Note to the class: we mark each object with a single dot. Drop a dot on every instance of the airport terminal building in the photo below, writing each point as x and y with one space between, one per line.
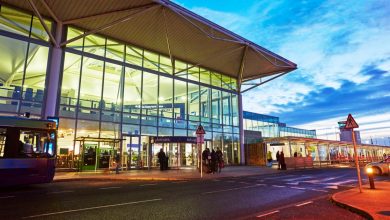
128 76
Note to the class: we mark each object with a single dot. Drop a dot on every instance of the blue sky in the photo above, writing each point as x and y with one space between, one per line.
342 49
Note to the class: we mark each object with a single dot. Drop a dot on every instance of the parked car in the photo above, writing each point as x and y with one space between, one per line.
379 168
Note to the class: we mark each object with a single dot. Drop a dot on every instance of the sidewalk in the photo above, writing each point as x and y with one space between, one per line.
181 174
372 203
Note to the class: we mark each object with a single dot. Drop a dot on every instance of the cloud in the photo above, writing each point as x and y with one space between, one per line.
342 52
231 21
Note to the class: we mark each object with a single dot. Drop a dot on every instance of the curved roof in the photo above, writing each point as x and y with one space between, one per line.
167 28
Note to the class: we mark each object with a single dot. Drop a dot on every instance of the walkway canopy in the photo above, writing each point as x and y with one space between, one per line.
167 28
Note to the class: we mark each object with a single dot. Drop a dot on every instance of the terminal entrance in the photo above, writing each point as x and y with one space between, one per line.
141 151
97 153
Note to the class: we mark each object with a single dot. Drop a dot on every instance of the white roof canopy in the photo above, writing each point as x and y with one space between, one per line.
166 28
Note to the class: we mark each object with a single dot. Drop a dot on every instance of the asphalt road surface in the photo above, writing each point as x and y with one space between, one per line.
286 195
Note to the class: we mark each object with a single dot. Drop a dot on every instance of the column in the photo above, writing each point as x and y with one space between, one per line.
52 91
241 124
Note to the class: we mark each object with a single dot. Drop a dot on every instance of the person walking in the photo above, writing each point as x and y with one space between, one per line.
282 161
213 161
278 159
269 158
206 157
117 162
219 159
161 159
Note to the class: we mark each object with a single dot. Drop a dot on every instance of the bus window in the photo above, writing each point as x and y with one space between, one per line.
3 133
37 143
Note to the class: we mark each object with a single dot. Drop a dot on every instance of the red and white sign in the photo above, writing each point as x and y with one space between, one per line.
351 123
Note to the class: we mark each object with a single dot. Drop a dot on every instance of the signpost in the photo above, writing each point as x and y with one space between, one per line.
199 141
351 124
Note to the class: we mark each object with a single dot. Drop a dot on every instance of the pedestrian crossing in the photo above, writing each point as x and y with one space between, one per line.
310 182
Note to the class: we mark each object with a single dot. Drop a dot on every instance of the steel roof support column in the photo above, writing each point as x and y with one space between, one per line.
109 25
240 108
50 11
241 124
167 40
258 84
55 67
35 9
241 70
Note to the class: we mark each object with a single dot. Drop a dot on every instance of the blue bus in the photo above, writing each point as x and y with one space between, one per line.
27 151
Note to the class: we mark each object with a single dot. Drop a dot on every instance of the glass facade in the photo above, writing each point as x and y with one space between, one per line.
269 126
112 90
24 56
109 89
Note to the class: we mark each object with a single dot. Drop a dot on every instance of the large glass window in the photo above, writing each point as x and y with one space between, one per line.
149 101
165 101
13 54
112 92
34 79
95 45
193 102
216 109
70 85
205 104
91 89
180 104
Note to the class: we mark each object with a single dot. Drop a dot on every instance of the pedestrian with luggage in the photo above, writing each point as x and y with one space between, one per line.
161 159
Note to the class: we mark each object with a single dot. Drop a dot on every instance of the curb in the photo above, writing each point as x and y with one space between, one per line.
117 179
351 208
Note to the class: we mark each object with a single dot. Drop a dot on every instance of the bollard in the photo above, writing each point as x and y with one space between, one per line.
370 174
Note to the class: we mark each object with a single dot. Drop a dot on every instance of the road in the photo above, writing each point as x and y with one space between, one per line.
289 195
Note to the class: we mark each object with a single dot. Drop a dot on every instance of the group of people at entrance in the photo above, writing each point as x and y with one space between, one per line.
279 158
212 161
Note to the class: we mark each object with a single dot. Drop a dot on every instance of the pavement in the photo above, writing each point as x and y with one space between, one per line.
168 175
371 203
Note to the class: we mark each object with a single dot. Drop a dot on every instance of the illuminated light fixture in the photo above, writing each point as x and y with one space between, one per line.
183 98
161 98
369 170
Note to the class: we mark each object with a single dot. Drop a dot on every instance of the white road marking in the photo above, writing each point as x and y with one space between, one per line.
278 186
111 187
92 208
7 197
269 213
300 188
305 203
59 192
342 182
331 187
319 190
321 180
150 184
296 183
232 189
298 178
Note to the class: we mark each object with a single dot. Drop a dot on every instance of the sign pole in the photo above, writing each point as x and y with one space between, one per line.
356 160
200 160
199 140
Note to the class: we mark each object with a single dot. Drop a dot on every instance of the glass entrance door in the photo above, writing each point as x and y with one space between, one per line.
132 150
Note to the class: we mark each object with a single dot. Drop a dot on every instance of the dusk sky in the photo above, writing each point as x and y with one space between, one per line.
342 49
